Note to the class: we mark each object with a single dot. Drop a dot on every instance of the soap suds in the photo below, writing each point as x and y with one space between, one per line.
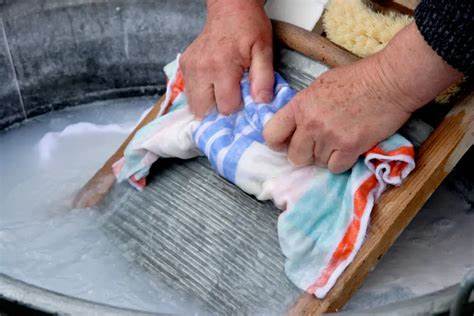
43 242
72 133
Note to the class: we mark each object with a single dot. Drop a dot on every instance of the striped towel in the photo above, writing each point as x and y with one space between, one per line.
325 216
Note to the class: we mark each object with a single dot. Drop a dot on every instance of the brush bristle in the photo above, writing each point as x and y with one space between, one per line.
356 27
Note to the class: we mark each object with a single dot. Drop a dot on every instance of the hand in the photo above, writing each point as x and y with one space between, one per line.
237 36
348 110
340 116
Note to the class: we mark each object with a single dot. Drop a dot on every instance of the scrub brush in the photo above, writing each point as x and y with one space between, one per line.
354 25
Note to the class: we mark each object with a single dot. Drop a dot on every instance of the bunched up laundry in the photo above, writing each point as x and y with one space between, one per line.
324 216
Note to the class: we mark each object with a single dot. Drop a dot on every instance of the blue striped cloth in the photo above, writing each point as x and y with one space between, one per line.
223 139
325 216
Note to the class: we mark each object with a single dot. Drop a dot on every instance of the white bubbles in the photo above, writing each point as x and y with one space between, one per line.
45 243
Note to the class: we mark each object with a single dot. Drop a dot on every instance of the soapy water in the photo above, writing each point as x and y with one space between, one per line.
434 252
46 160
43 241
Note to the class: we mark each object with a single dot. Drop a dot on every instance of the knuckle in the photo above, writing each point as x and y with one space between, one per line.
309 122
331 134
263 45
349 142
248 39
221 59
215 64
347 145
202 65
189 65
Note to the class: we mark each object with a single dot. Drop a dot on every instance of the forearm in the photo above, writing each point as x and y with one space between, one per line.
412 71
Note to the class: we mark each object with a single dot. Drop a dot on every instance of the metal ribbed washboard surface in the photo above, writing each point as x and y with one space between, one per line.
204 237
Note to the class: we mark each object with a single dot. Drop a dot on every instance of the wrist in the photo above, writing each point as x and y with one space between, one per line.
411 72
394 84
232 6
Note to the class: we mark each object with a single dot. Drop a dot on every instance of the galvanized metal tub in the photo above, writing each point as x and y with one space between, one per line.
58 53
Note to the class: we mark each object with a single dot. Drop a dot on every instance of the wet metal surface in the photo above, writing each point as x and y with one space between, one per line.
204 237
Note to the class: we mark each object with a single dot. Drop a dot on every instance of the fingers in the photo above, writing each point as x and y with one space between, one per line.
197 86
261 73
341 161
300 151
200 97
322 152
279 129
208 83
227 92
206 87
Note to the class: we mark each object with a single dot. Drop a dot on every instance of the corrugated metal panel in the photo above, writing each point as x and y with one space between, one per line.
203 236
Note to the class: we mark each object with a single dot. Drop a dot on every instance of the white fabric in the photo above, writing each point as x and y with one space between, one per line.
302 13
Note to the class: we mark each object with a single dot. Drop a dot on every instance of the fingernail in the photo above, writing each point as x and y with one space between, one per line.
264 97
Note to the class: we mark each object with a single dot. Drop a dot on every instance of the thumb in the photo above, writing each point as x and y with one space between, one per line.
261 73
280 128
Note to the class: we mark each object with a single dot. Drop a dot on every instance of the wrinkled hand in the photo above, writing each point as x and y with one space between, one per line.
343 114
350 109
237 37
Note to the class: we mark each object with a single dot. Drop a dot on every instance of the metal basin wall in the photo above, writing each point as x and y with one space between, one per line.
56 53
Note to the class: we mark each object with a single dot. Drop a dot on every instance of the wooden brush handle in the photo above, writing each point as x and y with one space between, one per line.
312 45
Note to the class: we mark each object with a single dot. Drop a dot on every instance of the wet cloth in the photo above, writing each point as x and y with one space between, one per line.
325 216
